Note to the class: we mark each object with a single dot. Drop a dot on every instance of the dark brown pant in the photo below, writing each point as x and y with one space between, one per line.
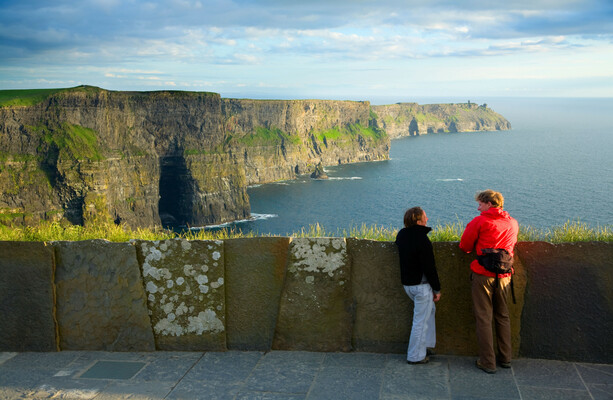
491 301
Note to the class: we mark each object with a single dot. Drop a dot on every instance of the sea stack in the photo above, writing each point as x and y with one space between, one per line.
319 172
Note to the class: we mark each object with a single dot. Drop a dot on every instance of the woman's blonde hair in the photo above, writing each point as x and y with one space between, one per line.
490 196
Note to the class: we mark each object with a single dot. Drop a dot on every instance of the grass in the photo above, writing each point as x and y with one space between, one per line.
571 231
27 97
266 137
350 131
80 142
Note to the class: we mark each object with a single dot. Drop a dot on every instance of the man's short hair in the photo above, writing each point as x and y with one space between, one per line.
490 196
412 215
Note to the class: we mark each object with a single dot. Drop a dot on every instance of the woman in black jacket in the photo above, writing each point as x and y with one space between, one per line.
420 281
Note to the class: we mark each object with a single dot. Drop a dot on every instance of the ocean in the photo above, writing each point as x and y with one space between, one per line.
555 165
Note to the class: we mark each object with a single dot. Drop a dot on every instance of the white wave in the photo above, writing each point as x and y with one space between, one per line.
254 217
344 178
450 180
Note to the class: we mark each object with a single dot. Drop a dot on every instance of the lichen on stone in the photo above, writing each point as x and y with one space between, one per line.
183 283
206 321
318 255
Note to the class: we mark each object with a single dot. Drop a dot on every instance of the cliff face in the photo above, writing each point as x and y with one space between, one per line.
412 119
292 137
87 154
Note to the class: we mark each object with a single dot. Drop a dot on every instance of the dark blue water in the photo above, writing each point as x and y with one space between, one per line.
555 165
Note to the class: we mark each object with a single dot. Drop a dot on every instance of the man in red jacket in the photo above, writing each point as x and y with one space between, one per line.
492 229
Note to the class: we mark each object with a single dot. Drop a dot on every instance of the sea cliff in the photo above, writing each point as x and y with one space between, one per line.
146 158
412 119
87 155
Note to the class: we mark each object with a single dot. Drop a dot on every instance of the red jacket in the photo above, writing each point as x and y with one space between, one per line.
493 229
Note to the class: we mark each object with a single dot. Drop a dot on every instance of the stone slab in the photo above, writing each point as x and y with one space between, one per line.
120 390
26 297
547 373
316 312
285 372
224 368
426 381
383 310
185 287
255 272
113 370
348 383
101 302
570 286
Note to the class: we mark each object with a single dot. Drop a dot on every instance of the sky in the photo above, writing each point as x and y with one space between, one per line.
375 50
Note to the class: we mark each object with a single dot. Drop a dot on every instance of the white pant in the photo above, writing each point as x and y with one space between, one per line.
423 331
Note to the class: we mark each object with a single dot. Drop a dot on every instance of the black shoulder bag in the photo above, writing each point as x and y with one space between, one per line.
498 261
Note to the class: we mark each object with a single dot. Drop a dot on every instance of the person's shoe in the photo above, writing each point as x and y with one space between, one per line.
504 364
424 361
430 352
485 369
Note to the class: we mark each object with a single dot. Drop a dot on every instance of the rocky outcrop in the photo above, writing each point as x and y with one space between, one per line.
412 119
144 158
319 172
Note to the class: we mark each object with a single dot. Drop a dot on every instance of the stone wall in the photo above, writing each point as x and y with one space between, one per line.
317 294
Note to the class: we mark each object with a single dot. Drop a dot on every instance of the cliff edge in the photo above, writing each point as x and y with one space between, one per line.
87 155
148 158
412 119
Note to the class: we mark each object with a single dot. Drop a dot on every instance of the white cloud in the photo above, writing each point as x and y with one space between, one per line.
297 47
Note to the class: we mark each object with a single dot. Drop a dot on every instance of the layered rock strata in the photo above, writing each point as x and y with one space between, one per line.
412 119
145 158
87 155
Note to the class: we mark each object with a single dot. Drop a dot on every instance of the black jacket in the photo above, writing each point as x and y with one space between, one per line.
417 257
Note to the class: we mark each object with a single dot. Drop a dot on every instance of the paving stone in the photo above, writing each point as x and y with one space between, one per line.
427 381
171 367
601 392
136 390
347 383
101 302
596 373
541 393
315 313
26 297
22 378
39 360
230 367
466 381
255 272
291 375
185 288
355 360
68 388
547 373
285 372
269 396
204 390
113 370
6 356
